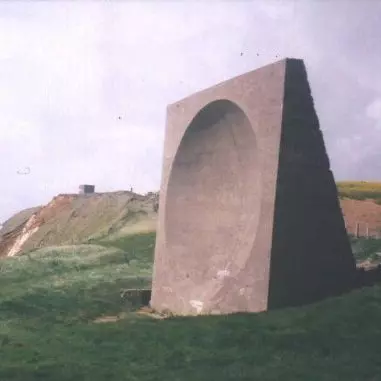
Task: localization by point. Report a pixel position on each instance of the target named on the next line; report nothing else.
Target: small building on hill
(86, 189)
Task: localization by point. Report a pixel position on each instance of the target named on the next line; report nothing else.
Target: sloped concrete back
(249, 217)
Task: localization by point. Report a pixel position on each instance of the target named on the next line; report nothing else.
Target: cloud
(85, 84)
(373, 110)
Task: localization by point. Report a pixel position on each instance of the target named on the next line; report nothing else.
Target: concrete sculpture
(249, 217)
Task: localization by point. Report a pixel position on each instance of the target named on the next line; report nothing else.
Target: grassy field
(360, 190)
(50, 299)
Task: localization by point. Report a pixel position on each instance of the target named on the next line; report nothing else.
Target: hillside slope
(366, 213)
(361, 204)
(63, 303)
(75, 218)
(62, 318)
(17, 220)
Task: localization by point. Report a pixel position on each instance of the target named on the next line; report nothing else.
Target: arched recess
(213, 189)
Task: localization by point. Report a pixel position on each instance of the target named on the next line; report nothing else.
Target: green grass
(360, 190)
(49, 299)
(366, 249)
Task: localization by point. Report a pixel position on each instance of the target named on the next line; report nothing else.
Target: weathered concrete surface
(249, 217)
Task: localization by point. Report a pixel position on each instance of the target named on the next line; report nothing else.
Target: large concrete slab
(249, 217)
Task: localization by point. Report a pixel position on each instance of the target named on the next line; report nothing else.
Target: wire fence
(363, 230)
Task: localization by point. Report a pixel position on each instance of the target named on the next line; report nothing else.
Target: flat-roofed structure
(86, 189)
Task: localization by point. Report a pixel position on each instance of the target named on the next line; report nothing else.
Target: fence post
(367, 230)
(357, 229)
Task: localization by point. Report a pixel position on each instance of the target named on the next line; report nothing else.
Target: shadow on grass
(80, 302)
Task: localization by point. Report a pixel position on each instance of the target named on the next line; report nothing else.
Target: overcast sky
(84, 85)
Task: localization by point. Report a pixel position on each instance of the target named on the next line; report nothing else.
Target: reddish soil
(58, 204)
(8, 240)
(65, 206)
(366, 213)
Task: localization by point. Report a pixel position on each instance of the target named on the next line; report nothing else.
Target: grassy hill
(360, 190)
(62, 316)
(73, 219)
(52, 299)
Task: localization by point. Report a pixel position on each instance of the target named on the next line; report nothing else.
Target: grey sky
(69, 70)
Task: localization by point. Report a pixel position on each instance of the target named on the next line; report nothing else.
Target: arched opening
(213, 190)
